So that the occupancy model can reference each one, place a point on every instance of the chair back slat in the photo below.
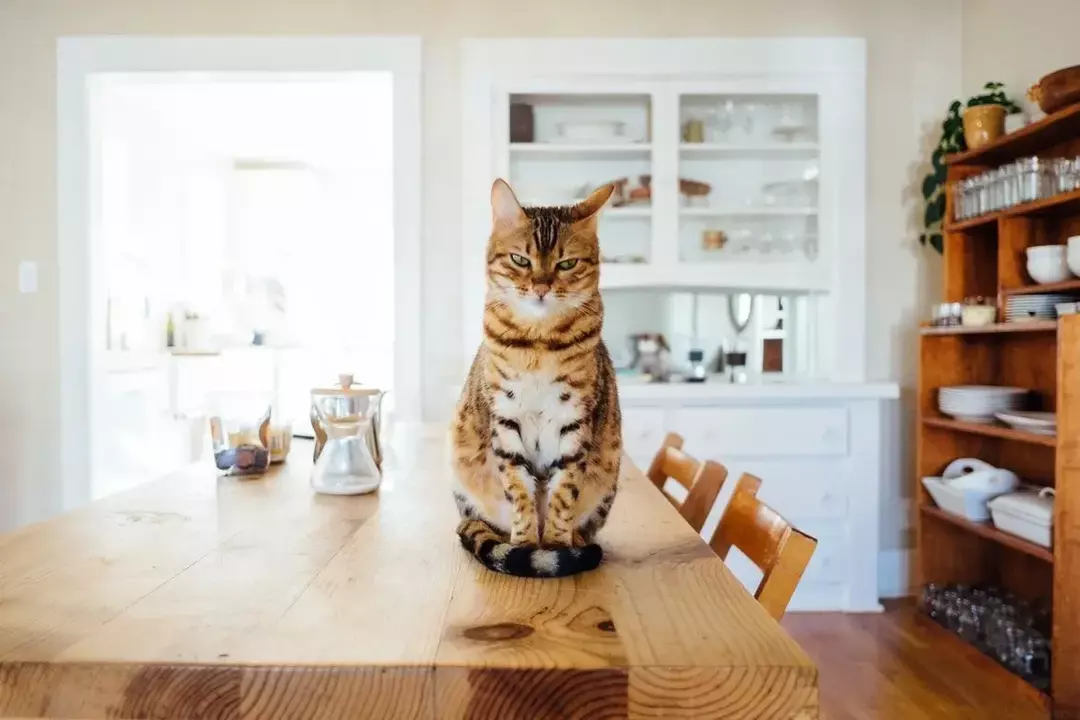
(701, 480)
(778, 549)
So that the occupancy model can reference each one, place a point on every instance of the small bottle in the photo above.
(170, 332)
(697, 367)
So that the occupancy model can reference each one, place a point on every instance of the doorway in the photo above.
(250, 228)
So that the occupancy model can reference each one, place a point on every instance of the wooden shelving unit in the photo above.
(986, 256)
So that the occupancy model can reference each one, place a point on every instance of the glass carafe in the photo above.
(350, 460)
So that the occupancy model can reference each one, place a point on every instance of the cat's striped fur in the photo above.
(536, 435)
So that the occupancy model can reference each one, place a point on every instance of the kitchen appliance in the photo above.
(349, 459)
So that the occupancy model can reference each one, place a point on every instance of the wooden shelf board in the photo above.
(988, 531)
(981, 220)
(1067, 286)
(1062, 203)
(995, 329)
(1029, 140)
(996, 431)
(986, 664)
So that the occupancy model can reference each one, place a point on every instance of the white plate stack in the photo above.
(979, 403)
(1020, 308)
(1039, 423)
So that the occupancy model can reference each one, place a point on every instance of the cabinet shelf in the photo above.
(995, 431)
(581, 151)
(988, 531)
(1061, 287)
(780, 277)
(764, 211)
(1033, 139)
(1060, 204)
(1033, 326)
(735, 151)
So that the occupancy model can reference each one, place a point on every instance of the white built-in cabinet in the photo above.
(776, 130)
(779, 140)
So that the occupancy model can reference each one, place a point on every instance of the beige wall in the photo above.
(914, 70)
(1017, 42)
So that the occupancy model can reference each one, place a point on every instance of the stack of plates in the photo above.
(1039, 423)
(979, 403)
(1019, 308)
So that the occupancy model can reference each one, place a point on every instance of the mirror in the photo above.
(740, 310)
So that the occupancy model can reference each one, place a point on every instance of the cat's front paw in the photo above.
(530, 537)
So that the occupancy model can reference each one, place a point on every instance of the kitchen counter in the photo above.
(633, 389)
(199, 596)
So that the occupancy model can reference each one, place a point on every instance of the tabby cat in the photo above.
(536, 435)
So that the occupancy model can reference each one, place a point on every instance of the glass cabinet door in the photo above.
(748, 170)
(564, 145)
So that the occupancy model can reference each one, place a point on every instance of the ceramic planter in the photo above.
(983, 124)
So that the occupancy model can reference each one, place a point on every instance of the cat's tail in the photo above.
(490, 547)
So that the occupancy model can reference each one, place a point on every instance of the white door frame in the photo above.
(79, 60)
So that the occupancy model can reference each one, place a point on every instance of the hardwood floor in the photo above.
(895, 666)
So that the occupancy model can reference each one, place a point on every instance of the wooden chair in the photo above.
(702, 480)
(779, 550)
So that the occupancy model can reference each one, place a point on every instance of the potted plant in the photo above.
(953, 140)
(984, 118)
(933, 187)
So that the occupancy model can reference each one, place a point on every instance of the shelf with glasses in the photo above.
(1065, 203)
(733, 274)
(580, 151)
(760, 211)
(736, 151)
(643, 211)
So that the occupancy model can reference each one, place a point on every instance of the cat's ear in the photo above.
(588, 209)
(505, 209)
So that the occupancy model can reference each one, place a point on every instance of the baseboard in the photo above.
(894, 573)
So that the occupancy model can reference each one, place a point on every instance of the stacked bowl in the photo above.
(1048, 263)
(979, 403)
(1072, 254)
(1019, 308)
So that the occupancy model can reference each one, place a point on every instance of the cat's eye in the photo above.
(567, 264)
(520, 260)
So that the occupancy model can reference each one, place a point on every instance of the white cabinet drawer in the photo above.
(642, 432)
(725, 433)
(798, 490)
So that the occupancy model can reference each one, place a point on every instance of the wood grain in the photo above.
(702, 481)
(201, 597)
(1039, 138)
(984, 256)
(897, 666)
(768, 540)
(1066, 632)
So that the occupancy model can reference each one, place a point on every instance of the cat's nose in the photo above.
(541, 290)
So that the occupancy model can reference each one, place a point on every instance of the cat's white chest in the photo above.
(542, 408)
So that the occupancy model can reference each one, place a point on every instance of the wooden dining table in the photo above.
(198, 596)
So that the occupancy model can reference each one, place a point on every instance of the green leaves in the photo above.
(935, 211)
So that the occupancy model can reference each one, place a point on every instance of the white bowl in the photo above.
(1045, 251)
(1072, 259)
(1048, 271)
(1073, 243)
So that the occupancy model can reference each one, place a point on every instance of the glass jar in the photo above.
(240, 432)
(1009, 189)
(1030, 182)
